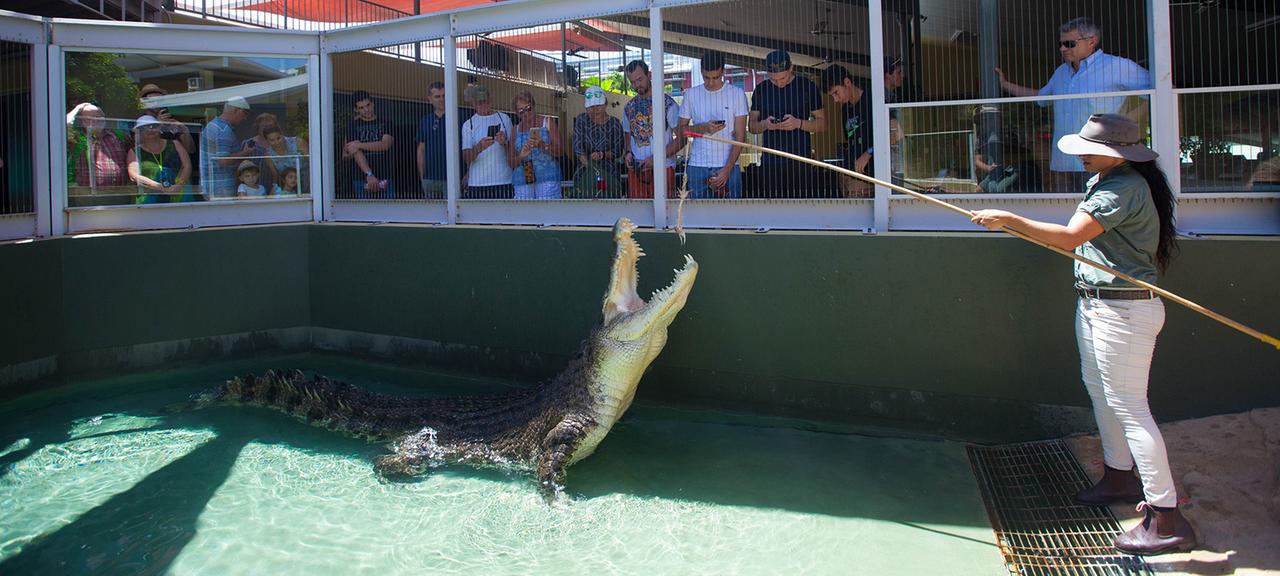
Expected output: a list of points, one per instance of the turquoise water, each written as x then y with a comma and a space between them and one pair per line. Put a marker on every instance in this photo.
96, 479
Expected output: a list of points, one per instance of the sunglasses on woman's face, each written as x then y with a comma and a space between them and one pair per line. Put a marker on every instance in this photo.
523, 110
1072, 43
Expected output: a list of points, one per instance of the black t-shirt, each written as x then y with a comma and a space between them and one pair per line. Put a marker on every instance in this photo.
799, 98
857, 129
371, 131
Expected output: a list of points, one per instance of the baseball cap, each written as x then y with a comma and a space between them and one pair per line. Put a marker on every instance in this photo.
476, 93
238, 102
150, 89
246, 165
777, 61
595, 96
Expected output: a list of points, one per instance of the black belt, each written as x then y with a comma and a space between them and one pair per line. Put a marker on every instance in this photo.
1113, 294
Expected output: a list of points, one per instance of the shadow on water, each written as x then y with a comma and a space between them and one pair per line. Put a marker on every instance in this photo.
141, 530
909, 482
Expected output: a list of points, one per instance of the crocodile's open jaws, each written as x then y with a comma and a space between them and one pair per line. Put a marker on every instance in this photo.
544, 429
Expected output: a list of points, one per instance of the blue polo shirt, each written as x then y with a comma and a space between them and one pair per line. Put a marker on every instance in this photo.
218, 141
431, 132
1100, 72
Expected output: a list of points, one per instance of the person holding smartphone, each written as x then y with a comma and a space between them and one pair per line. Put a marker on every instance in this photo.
786, 109
719, 109
171, 128
532, 152
489, 175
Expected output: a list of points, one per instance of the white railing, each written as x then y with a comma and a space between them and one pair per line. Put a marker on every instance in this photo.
1230, 211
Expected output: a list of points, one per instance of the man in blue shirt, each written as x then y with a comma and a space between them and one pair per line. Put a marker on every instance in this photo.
1085, 69
432, 160
218, 154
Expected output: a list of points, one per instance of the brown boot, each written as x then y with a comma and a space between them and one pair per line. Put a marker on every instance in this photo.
1162, 530
1115, 487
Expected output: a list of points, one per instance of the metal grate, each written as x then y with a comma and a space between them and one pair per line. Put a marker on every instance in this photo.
1027, 489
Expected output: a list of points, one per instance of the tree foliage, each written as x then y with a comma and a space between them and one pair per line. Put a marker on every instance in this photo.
95, 77
613, 82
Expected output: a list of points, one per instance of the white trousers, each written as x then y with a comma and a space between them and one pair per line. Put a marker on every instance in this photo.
1116, 340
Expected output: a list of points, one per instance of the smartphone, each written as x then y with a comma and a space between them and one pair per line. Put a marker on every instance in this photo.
494, 130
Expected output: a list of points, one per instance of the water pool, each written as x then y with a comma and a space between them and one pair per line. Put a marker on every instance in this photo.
96, 478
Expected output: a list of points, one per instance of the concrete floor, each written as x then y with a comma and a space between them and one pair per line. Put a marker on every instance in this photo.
1227, 471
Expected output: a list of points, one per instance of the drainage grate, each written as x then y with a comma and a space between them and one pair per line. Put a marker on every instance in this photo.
1027, 489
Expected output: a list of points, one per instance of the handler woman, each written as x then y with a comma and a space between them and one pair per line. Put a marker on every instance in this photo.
1125, 222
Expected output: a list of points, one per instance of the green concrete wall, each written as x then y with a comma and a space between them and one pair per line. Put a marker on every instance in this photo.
155, 287
31, 294
958, 332
92, 301
947, 329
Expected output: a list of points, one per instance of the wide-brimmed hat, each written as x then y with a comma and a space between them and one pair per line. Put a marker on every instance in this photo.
151, 89
1111, 135
246, 165
144, 120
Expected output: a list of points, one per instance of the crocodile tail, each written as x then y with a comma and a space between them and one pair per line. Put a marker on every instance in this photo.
322, 402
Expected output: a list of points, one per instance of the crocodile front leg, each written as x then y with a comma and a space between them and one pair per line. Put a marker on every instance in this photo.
558, 447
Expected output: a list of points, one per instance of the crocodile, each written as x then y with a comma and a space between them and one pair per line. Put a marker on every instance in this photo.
542, 429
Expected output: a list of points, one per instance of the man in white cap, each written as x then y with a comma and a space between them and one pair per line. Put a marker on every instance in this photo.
218, 154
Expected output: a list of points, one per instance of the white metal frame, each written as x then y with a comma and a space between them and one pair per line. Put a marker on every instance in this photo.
23, 29
1229, 213
135, 38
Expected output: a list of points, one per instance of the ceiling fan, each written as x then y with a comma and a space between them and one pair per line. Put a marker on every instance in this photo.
822, 23
1202, 6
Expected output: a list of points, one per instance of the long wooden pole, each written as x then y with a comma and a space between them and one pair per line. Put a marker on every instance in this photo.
946, 205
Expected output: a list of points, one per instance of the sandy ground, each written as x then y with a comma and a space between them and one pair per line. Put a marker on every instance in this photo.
1227, 471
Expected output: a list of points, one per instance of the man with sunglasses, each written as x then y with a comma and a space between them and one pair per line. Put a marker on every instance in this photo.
1085, 69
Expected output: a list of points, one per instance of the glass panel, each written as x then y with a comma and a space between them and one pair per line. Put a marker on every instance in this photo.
388, 129
1230, 141
1225, 43
16, 138
544, 109
996, 148
753, 71
951, 50
166, 128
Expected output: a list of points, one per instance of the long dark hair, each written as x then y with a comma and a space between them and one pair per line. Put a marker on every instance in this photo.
1165, 203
